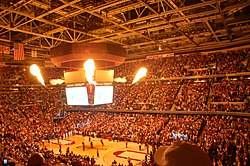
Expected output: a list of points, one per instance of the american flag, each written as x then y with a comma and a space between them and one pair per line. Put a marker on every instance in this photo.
18, 51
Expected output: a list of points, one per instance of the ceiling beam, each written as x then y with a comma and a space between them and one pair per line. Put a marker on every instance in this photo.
162, 24
111, 21
46, 33
58, 25
211, 30
180, 13
200, 48
169, 12
33, 33
171, 40
67, 16
207, 15
97, 9
229, 13
167, 21
4, 12
152, 27
218, 5
49, 12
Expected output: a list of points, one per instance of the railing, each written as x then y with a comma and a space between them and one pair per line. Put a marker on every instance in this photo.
161, 112
227, 103
203, 76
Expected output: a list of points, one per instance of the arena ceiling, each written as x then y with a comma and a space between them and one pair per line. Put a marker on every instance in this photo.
142, 27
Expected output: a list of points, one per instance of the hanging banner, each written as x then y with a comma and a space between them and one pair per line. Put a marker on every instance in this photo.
160, 56
4, 49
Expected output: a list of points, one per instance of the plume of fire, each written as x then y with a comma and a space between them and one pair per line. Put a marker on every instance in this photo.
56, 81
141, 73
119, 79
89, 67
35, 71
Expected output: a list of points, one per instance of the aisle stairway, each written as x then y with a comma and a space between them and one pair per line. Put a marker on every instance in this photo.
179, 91
149, 98
203, 126
209, 96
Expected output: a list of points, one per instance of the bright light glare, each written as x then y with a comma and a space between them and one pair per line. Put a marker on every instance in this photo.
141, 73
35, 71
89, 67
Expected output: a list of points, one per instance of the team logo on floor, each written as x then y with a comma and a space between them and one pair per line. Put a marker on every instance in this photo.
133, 155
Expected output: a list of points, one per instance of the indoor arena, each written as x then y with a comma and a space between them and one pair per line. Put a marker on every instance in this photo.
124, 82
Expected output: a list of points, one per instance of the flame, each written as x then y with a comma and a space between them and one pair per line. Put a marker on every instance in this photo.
119, 79
141, 73
35, 71
89, 67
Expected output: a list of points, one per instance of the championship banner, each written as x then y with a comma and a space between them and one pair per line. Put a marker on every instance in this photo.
154, 57
160, 56
91, 93
4, 49
34, 53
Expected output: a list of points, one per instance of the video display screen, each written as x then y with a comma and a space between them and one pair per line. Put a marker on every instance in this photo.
103, 95
77, 96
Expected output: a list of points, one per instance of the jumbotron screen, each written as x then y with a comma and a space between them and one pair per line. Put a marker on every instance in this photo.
77, 96
103, 95
80, 95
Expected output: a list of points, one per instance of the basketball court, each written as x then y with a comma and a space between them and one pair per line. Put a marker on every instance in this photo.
110, 151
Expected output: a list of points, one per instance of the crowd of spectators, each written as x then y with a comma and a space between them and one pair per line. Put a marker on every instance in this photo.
69, 158
129, 69
181, 127
227, 107
28, 109
12, 75
131, 97
229, 91
157, 95
231, 61
174, 67
138, 95
200, 72
193, 96
118, 100
23, 129
149, 129
200, 61
163, 96
226, 140
189, 65
26, 120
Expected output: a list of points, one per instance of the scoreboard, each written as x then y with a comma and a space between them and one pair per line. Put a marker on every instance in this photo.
77, 96
81, 93
81, 96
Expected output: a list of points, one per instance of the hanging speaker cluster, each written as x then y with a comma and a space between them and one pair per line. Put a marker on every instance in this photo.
73, 55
